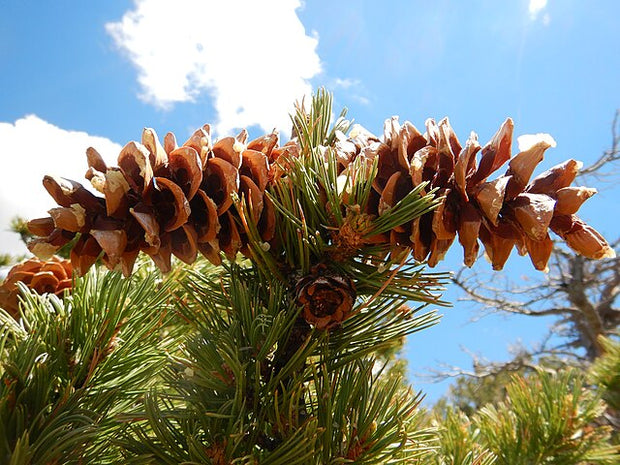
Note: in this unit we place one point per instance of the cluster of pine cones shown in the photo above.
(168, 200)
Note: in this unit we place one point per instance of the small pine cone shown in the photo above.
(326, 299)
(52, 276)
(162, 200)
(353, 234)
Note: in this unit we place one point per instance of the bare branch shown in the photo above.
(609, 156)
(525, 360)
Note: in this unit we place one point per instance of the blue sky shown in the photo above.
(75, 74)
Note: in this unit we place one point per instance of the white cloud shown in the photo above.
(253, 57)
(527, 141)
(346, 83)
(535, 7)
(30, 149)
(353, 89)
(361, 99)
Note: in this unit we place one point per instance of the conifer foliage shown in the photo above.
(546, 417)
(265, 352)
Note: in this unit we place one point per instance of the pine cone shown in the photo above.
(161, 200)
(502, 213)
(170, 200)
(326, 299)
(52, 276)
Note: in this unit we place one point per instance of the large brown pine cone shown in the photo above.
(503, 213)
(51, 276)
(161, 200)
(168, 200)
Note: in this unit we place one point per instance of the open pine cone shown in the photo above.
(51, 276)
(161, 200)
(509, 211)
(168, 200)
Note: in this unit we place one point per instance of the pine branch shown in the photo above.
(260, 399)
(605, 375)
(313, 127)
(547, 418)
(73, 365)
(271, 360)
(459, 441)
(362, 418)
